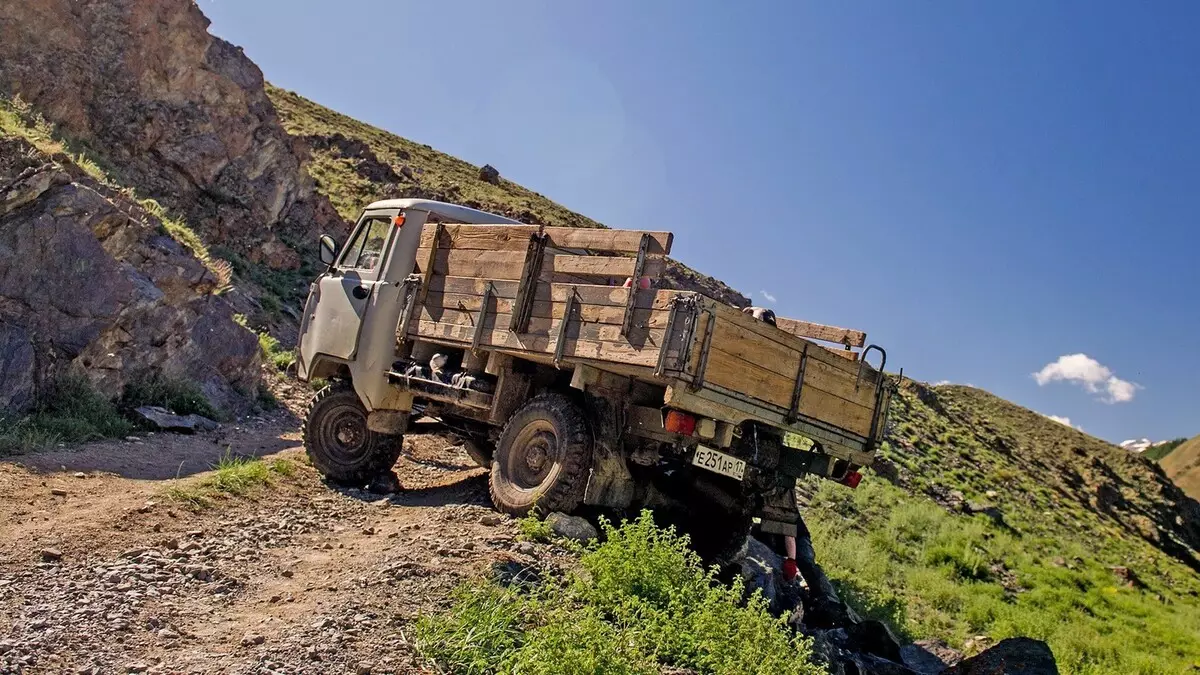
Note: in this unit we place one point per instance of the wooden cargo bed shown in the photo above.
(555, 295)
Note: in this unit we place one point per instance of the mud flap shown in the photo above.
(610, 484)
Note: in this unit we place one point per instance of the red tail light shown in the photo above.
(680, 423)
(398, 221)
(852, 479)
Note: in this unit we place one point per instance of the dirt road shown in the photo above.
(102, 572)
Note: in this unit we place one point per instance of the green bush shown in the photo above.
(641, 600)
(70, 411)
(175, 394)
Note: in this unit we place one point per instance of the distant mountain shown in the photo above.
(1183, 466)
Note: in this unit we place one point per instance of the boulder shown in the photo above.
(929, 657)
(1014, 656)
(183, 114)
(89, 284)
(571, 527)
(489, 174)
(165, 420)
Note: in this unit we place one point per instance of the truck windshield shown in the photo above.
(365, 250)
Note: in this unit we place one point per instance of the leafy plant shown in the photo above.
(639, 601)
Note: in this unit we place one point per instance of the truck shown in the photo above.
(574, 377)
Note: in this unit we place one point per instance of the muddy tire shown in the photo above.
(338, 442)
(542, 459)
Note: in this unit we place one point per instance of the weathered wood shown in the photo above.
(643, 318)
(578, 268)
(575, 348)
(733, 373)
(480, 237)
(590, 264)
(759, 354)
(595, 239)
(505, 265)
(817, 331)
(609, 296)
(647, 335)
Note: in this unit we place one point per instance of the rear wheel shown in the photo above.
(542, 458)
(338, 442)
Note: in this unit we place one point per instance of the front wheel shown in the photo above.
(542, 459)
(338, 442)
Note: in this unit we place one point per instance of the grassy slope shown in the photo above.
(1155, 453)
(1073, 507)
(345, 177)
(1183, 466)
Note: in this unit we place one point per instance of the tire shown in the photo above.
(542, 459)
(338, 442)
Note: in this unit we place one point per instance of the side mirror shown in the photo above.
(328, 250)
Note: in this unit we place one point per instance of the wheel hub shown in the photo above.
(533, 455)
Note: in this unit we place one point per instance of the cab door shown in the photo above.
(338, 302)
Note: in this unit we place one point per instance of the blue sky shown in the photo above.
(982, 188)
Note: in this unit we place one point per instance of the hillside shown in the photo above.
(354, 164)
(1183, 466)
(1000, 522)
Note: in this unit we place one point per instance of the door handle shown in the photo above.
(360, 292)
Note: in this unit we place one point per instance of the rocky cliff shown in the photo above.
(176, 113)
(91, 282)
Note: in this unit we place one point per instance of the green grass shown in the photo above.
(175, 394)
(1157, 452)
(17, 118)
(639, 600)
(273, 352)
(71, 411)
(231, 477)
(1046, 571)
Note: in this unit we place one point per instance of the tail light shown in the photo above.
(679, 423)
(851, 479)
(398, 221)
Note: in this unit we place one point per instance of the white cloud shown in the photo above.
(768, 296)
(1093, 376)
(1063, 420)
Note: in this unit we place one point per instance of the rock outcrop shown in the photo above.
(181, 115)
(90, 281)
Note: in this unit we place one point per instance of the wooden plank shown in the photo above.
(643, 320)
(466, 313)
(817, 331)
(844, 353)
(728, 371)
(503, 265)
(825, 371)
(575, 348)
(589, 294)
(582, 269)
(480, 237)
(590, 264)
(596, 239)
(730, 316)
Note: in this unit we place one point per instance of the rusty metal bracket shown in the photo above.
(794, 410)
(631, 301)
(560, 345)
(412, 285)
(527, 289)
(477, 337)
(428, 271)
(698, 379)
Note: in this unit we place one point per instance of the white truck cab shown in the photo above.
(349, 322)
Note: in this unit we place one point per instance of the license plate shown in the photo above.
(719, 462)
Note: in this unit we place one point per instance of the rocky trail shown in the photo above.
(101, 571)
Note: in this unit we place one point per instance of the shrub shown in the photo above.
(70, 411)
(177, 395)
(641, 600)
